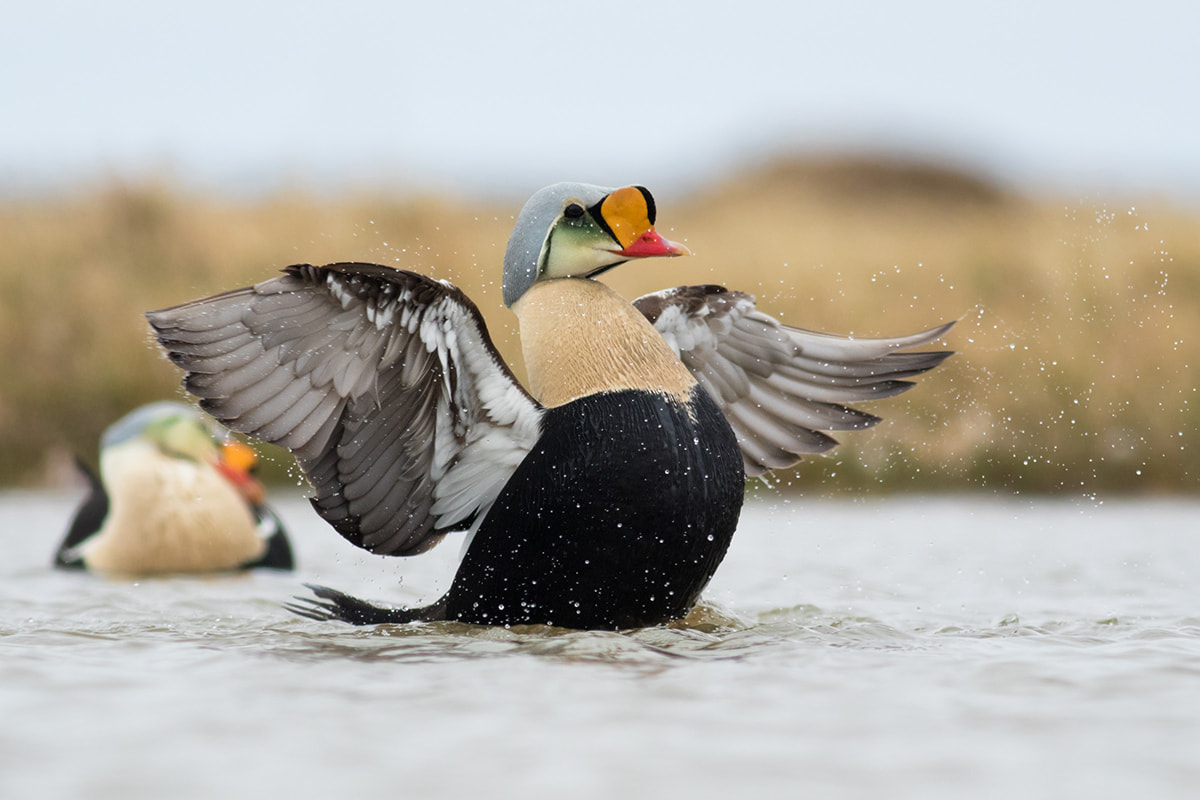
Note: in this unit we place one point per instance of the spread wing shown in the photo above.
(779, 386)
(383, 383)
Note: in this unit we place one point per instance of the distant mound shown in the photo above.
(857, 178)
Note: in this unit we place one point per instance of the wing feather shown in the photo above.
(383, 383)
(781, 387)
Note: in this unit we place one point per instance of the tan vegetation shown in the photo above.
(1079, 331)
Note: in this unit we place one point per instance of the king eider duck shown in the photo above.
(606, 494)
(172, 497)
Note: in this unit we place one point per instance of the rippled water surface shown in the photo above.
(923, 648)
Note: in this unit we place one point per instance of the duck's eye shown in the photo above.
(573, 211)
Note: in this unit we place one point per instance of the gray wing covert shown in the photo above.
(383, 383)
(781, 387)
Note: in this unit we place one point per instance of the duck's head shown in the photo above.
(178, 431)
(575, 230)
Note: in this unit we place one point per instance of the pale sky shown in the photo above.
(502, 96)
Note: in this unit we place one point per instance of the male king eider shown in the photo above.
(172, 498)
(604, 497)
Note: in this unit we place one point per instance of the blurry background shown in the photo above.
(1032, 170)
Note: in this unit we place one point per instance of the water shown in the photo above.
(899, 648)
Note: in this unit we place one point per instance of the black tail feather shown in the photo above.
(331, 604)
(88, 520)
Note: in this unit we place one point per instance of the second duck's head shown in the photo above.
(177, 431)
(575, 230)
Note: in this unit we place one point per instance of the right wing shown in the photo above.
(780, 387)
(383, 383)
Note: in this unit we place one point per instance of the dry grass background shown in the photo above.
(1080, 320)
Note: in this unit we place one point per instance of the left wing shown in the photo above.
(780, 387)
(383, 383)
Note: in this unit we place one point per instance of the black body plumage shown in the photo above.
(617, 518)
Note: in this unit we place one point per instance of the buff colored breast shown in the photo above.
(580, 338)
(169, 515)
